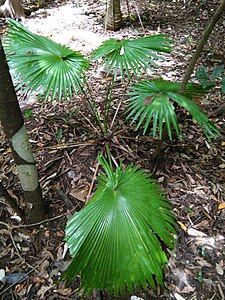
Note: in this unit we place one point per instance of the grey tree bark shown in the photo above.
(13, 126)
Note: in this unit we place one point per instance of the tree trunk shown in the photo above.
(113, 18)
(13, 9)
(13, 126)
(201, 44)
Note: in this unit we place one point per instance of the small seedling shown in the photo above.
(28, 113)
(209, 80)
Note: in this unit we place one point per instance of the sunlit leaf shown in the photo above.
(132, 56)
(38, 63)
(182, 226)
(221, 205)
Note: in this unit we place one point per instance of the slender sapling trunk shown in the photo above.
(13, 126)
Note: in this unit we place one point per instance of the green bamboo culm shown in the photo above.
(115, 240)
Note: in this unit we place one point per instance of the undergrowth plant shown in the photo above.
(115, 240)
(216, 77)
(57, 71)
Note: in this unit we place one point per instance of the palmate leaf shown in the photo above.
(39, 63)
(152, 100)
(132, 55)
(114, 239)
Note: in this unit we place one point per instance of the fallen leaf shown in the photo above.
(194, 232)
(65, 249)
(38, 279)
(64, 291)
(182, 226)
(204, 223)
(2, 274)
(107, 78)
(178, 297)
(20, 287)
(60, 234)
(16, 277)
(208, 242)
(59, 254)
(24, 236)
(219, 268)
(79, 194)
(203, 263)
(43, 267)
(16, 218)
(41, 292)
(221, 205)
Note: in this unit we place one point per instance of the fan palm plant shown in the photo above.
(115, 239)
(39, 63)
(154, 100)
(132, 55)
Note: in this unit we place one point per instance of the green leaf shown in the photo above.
(217, 72)
(150, 100)
(28, 113)
(204, 78)
(200, 277)
(39, 63)
(202, 120)
(202, 74)
(223, 84)
(114, 239)
(132, 55)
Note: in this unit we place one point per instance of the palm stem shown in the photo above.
(92, 107)
(109, 156)
(121, 99)
(107, 105)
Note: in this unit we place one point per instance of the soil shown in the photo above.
(66, 144)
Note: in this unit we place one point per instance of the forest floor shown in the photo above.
(66, 143)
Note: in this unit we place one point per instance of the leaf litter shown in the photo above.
(65, 145)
